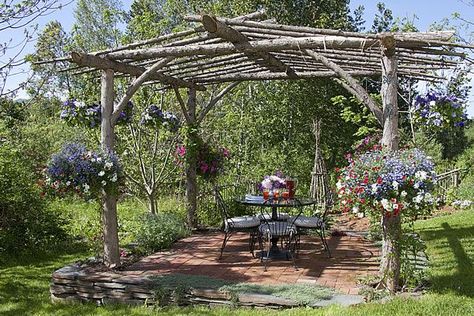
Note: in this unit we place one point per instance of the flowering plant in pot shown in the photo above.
(439, 111)
(210, 160)
(387, 183)
(273, 182)
(154, 117)
(78, 113)
(76, 169)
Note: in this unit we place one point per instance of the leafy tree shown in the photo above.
(19, 15)
(383, 21)
(147, 19)
(97, 24)
(47, 81)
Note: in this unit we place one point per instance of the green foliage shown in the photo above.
(51, 44)
(24, 282)
(413, 268)
(26, 225)
(97, 24)
(158, 231)
(356, 113)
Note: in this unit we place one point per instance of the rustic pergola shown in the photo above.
(245, 48)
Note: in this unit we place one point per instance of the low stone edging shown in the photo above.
(73, 284)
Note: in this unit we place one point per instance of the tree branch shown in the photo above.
(182, 105)
(216, 99)
(135, 85)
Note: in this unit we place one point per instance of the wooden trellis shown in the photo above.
(224, 50)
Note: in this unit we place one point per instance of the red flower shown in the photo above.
(379, 180)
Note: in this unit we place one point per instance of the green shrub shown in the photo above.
(26, 223)
(159, 231)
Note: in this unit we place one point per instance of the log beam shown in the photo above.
(96, 62)
(356, 88)
(109, 202)
(255, 46)
(265, 59)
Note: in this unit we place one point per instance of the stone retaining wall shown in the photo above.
(73, 283)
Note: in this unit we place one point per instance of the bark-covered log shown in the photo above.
(96, 62)
(191, 162)
(353, 83)
(214, 26)
(109, 203)
(391, 225)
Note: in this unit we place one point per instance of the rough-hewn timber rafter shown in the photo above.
(96, 62)
(214, 26)
(353, 83)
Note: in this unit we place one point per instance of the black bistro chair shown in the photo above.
(245, 224)
(282, 232)
(315, 223)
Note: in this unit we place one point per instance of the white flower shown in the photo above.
(432, 103)
(374, 188)
(403, 194)
(147, 117)
(68, 183)
(421, 175)
(428, 198)
(267, 184)
(104, 183)
(355, 209)
(395, 206)
(102, 173)
(79, 104)
(395, 185)
(339, 185)
(417, 185)
(86, 187)
(114, 178)
(385, 204)
(360, 215)
(108, 165)
(418, 199)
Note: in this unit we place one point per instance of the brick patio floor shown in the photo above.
(352, 257)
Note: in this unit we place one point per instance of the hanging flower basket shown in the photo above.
(387, 183)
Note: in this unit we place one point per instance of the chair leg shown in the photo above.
(252, 238)
(291, 250)
(224, 242)
(324, 242)
(269, 245)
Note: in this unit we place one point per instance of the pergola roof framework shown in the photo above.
(240, 49)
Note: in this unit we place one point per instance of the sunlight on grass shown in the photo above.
(24, 283)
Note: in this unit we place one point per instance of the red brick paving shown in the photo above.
(352, 257)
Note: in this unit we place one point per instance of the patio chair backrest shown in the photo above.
(221, 205)
(284, 223)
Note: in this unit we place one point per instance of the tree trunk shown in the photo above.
(390, 262)
(191, 161)
(151, 203)
(109, 202)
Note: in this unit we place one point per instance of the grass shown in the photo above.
(24, 282)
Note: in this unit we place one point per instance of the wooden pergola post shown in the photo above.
(109, 202)
(391, 225)
(240, 49)
(191, 160)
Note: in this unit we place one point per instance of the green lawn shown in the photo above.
(450, 240)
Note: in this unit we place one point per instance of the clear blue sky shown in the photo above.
(423, 12)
